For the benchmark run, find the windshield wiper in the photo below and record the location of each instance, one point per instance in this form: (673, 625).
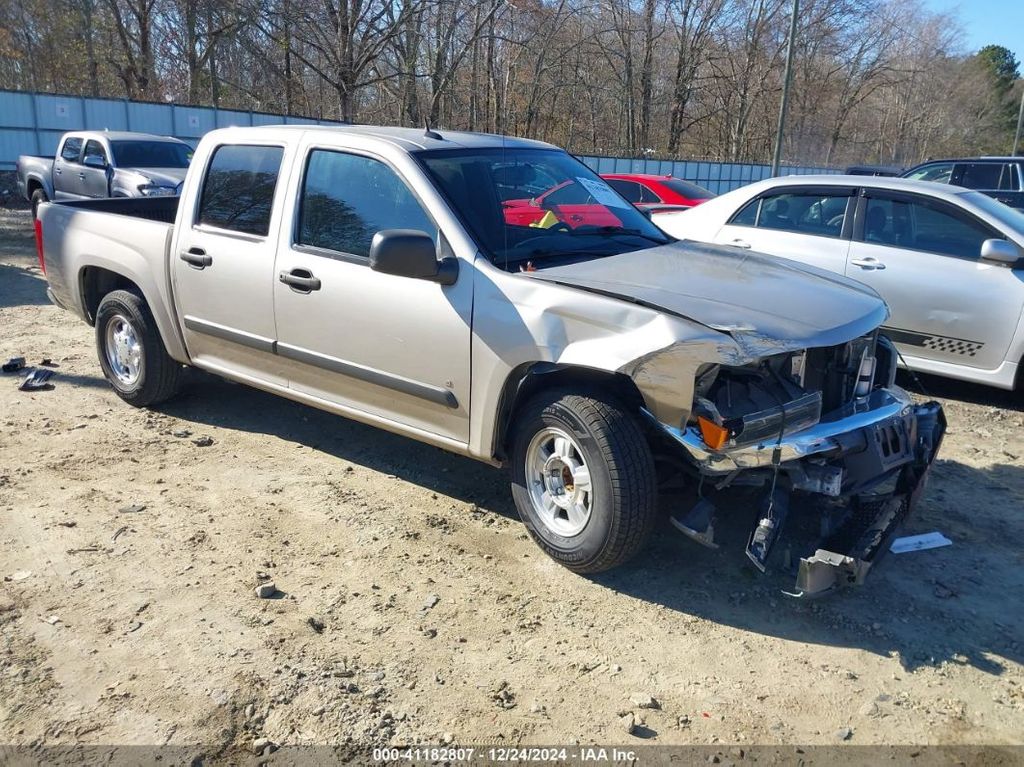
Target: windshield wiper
(544, 253)
(610, 231)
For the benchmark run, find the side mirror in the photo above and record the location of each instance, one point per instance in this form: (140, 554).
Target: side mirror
(411, 253)
(1000, 252)
(94, 161)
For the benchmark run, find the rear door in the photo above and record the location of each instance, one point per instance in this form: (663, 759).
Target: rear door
(392, 347)
(94, 180)
(66, 167)
(223, 260)
(808, 224)
(923, 256)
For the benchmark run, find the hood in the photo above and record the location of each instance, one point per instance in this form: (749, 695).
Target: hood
(162, 176)
(755, 298)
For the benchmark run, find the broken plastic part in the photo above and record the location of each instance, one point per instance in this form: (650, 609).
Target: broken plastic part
(14, 364)
(36, 380)
(698, 523)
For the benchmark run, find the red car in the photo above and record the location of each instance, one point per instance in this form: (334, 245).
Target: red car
(657, 194)
(573, 205)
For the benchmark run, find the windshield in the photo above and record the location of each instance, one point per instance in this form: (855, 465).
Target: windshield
(688, 189)
(530, 208)
(151, 154)
(1012, 218)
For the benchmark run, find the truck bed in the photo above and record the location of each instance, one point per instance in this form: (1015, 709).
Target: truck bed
(162, 209)
(129, 237)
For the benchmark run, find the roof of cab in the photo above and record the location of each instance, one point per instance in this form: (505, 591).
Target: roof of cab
(417, 139)
(947, 191)
(122, 135)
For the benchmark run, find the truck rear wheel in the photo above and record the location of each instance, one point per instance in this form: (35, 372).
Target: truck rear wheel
(131, 352)
(583, 479)
(38, 196)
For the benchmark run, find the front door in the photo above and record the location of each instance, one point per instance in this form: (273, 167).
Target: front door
(393, 347)
(923, 256)
(223, 262)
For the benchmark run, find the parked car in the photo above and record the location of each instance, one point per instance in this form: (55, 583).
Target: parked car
(373, 273)
(91, 164)
(947, 260)
(999, 177)
(874, 170)
(657, 193)
(574, 205)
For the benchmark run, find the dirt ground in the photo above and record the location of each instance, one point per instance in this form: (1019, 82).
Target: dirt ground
(413, 607)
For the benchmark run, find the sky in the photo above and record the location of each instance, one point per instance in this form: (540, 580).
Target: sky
(999, 22)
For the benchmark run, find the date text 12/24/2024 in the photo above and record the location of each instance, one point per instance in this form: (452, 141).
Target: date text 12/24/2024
(500, 754)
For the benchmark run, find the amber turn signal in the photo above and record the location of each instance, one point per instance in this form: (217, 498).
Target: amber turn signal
(715, 436)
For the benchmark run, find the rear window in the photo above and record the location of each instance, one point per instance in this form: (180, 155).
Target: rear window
(238, 191)
(688, 189)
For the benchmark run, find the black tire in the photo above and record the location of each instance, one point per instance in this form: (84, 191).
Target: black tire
(38, 196)
(623, 504)
(158, 377)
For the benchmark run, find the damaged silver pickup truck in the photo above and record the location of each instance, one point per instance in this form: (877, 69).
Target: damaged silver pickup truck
(412, 280)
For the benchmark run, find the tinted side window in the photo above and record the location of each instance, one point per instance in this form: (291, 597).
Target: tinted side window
(238, 191)
(347, 198)
(94, 148)
(980, 175)
(923, 226)
(804, 213)
(747, 215)
(938, 172)
(648, 195)
(630, 190)
(72, 148)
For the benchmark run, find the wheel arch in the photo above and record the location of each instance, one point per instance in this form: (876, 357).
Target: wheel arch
(94, 282)
(530, 378)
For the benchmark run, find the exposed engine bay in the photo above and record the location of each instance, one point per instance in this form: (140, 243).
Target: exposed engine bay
(796, 427)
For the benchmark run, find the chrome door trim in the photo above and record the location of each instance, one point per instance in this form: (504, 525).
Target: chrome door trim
(260, 343)
(428, 392)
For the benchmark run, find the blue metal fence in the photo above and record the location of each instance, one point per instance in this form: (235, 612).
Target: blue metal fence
(719, 177)
(32, 123)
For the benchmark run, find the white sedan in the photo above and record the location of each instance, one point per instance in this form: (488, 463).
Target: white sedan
(948, 261)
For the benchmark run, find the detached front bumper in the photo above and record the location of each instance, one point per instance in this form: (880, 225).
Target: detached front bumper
(868, 461)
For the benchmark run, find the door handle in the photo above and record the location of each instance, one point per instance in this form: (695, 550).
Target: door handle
(868, 263)
(196, 257)
(740, 244)
(300, 280)
(81, 176)
(58, 171)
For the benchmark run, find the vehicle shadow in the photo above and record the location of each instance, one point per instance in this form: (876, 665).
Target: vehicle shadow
(959, 604)
(21, 287)
(235, 406)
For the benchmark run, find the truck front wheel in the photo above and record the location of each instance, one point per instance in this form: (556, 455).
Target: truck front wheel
(583, 479)
(131, 352)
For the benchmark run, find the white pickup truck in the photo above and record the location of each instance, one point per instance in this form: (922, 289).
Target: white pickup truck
(388, 276)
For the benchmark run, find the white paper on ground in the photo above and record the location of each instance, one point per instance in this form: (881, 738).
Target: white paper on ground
(919, 543)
